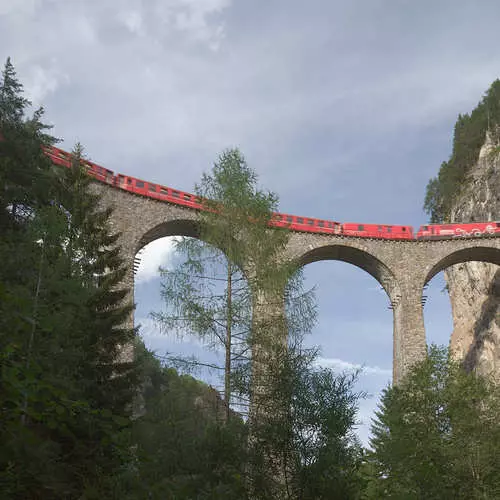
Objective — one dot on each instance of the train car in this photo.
(58, 156)
(63, 159)
(293, 222)
(298, 223)
(469, 230)
(157, 191)
(100, 173)
(381, 231)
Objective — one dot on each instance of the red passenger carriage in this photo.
(378, 231)
(469, 230)
(294, 222)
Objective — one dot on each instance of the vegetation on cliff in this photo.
(468, 138)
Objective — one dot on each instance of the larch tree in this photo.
(208, 294)
(301, 428)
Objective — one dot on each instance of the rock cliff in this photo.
(474, 287)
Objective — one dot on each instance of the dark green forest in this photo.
(80, 419)
(468, 137)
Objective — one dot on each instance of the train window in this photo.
(379, 229)
(176, 194)
(139, 184)
(152, 187)
(426, 228)
(187, 196)
(289, 219)
(129, 180)
(120, 180)
(321, 223)
(389, 229)
(404, 228)
(361, 227)
(310, 222)
(300, 220)
(163, 191)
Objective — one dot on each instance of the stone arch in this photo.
(358, 257)
(472, 330)
(490, 255)
(174, 227)
(368, 262)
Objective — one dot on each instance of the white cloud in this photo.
(196, 20)
(9, 7)
(133, 20)
(42, 81)
(158, 253)
(342, 365)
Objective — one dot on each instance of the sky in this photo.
(345, 109)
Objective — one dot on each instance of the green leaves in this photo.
(64, 398)
(469, 137)
(435, 435)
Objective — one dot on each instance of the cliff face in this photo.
(474, 287)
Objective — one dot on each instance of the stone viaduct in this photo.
(402, 268)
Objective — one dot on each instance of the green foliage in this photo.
(469, 136)
(436, 436)
(67, 393)
(301, 443)
(24, 169)
(306, 424)
(208, 294)
(64, 398)
(183, 446)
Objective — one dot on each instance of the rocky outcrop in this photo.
(474, 287)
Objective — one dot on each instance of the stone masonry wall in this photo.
(401, 267)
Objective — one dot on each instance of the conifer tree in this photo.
(24, 169)
(292, 440)
(468, 138)
(208, 294)
(436, 435)
(64, 398)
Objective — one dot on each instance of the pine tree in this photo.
(436, 435)
(468, 138)
(65, 395)
(24, 169)
(94, 259)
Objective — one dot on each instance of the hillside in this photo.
(467, 189)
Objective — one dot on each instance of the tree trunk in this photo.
(229, 317)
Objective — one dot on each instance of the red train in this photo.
(294, 222)
(469, 230)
